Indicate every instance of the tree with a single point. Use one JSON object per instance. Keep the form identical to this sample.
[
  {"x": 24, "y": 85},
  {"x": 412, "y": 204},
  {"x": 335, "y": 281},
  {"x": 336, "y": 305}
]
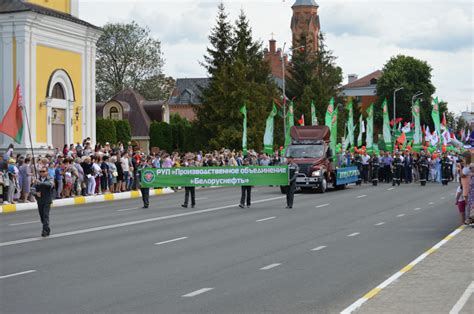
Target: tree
[
  {"x": 156, "y": 87},
  {"x": 314, "y": 76},
  {"x": 105, "y": 131},
  {"x": 414, "y": 76},
  {"x": 241, "y": 77},
  {"x": 123, "y": 131},
  {"x": 126, "y": 57},
  {"x": 160, "y": 136}
]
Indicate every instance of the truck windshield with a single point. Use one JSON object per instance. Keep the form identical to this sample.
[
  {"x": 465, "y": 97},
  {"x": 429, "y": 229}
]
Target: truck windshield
[{"x": 305, "y": 151}]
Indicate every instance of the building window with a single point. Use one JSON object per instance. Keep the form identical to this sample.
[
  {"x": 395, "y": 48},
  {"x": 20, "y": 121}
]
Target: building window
[
  {"x": 373, "y": 81},
  {"x": 58, "y": 92},
  {"x": 114, "y": 113}
]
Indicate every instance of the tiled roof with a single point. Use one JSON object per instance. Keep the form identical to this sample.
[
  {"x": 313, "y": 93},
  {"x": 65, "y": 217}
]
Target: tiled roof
[
  {"x": 364, "y": 81},
  {"x": 305, "y": 3},
  {"x": 13, "y": 6},
  {"x": 187, "y": 91}
]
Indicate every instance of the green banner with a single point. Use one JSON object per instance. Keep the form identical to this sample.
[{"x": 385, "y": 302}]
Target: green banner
[
  {"x": 387, "y": 137},
  {"x": 370, "y": 129},
  {"x": 268, "y": 136},
  {"x": 243, "y": 110},
  {"x": 215, "y": 176}
]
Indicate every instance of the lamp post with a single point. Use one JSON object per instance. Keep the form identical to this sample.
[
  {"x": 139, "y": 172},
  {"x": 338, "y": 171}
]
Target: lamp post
[
  {"x": 415, "y": 96},
  {"x": 395, "y": 108},
  {"x": 282, "y": 55}
]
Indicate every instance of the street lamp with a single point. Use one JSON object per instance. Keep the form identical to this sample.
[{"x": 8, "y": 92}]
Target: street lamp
[
  {"x": 394, "y": 108},
  {"x": 282, "y": 55},
  {"x": 415, "y": 96}
]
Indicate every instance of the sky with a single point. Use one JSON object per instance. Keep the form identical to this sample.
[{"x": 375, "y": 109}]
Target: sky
[{"x": 363, "y": 34}]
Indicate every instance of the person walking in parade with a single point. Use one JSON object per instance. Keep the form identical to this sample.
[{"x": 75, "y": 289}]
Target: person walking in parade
[
  {"x": 144, "y": 163},
  {"x": 387, "y": 167},
  {"x": 407, "y": 167},
  {"x": 246, "y": 190},
  {"x": 375, "y": 165},
  {"x": 189, "y": 189},
  {"x": 43, "y": 192},
  {"x": 293, "y": 170},
  {"x": 446, "y": 169},
  {"x": 397, "y": 169},
  {"x": 423, "y": 166}
]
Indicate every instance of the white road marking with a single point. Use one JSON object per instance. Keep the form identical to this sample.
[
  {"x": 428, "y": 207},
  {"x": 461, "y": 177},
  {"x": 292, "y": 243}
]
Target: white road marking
[
  {"x": 380, "y": 223},
  {"x": 169, "y": 241},
  {"x": 270, "y": 266},
  {"x": 126, "y": 209},
  {"x": 361, "y": 196},
  {"x": 201, "y": 198},
  {"x": 24, "y": 223},
  {"x": 401, "y": 215},
  {"x": 430, "y": 203},
  {"x": 18, "y": 274},
  {"x": 319, "y": 248},
  {"x": 451, "y": 194},
  {"x": 197, "y": 292},
  {"x": 353, "y": 234},
  {"x": 442, "y": 197},
  {"x": 418, "y": 208},
  {"x": 390, "y": 189},
  {"x": 265, "y": 219},
  {"x": 462, "y": 301},
  {"x": 322, "y": 205},
  {"x": 132, "y": 223}
]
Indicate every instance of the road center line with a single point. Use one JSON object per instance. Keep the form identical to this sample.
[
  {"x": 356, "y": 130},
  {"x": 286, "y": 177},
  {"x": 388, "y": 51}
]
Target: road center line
[
  {"x": 132, "y": 223},
  {"x": 401, "y": 215},
  {"x": 418, "y": 208},
  {"x": 201, "y": 198},
  {"x": 353, "y": 234},
  {"x": 431, "y": 203},
  {"x": 319, "y": 248},
  {"x": 442, "y": 197},
  {"x": 127, "y": 209},
  {"x": 169, "y": 241},
  {"x": 270, "y": 266},
  {"x": 389, "y": 189},
  {"x": 322, "y": 205},
  {"x": 24, "y": 223},
  {"x": 18, "y": 274},
  {"x": 361, "y": 196},
  {"x": 380, "y": 223},
  {"x": 197, "y": 292},
  {"x": 265, "y": 219},
  {"x": 462, "y": 301}
]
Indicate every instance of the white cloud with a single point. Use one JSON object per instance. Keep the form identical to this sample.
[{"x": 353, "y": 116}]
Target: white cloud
[{"x": 363, "y": 34}]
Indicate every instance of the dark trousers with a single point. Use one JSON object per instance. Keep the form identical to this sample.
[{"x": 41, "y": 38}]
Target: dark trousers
[
  {"x": 190, "y": 190},
  {"x": 408, "y": 174},
  {"x": 290, "y": 193},
  {"x": 365, "y": 173},
  {"x": 145, "y": 196},
  {"x": 43, "y": 210},
  {"x": 387, "y": 172},
  {"x": 246, "y": 191}
]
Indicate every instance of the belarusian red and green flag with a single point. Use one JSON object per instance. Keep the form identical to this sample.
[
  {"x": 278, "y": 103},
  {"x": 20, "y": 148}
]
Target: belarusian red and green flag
[
  {"x": 268, "y": 137},
  {"x": 12, "y": 122},
  {"x": 243, "y": 110}
]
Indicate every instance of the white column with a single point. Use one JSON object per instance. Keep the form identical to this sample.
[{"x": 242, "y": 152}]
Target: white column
[
  {"x": 6, "y": 59},
  {"x": 93, "y": 104}
]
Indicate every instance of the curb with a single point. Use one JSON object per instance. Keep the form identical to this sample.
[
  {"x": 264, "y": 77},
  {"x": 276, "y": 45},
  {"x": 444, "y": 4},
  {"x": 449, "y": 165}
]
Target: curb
[
  {"x": 372, "y": 293},
  {"x": 11, "y": 208}
]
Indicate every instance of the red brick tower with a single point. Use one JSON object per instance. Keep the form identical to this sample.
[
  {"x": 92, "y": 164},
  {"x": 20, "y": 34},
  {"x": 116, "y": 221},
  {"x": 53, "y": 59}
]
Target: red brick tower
[
  {"x": 273, "y": 56},
  {"x": 305, "y": 21}
]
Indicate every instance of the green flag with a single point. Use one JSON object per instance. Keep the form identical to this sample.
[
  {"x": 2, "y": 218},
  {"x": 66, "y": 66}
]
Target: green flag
[
  {"x": 329, "y": 113},
  {"x": 314, "y": 119},
  {"x": 387, "y": 137},
  {"x": 370, "y": 129},
  {"x": 350, "y": 124},
  {"x": 417, "y": 136},
  {"x": 268, "y": 137},
  {"x": 333, "y": 142},
  {"x": 435, "y": 117},
  {"x": 243, "y": 110},
  {"x": 290, "y": 121},
  {"x": 361, "y": 130}
]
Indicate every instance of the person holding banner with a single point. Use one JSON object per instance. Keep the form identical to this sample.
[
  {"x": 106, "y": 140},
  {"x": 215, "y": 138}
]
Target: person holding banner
[
  {"x": 293, "y": 170},
  {"x": 246, "y": 189},
  {"x": 43, "y": 192},
  {"x": 144, "y": 163},
  {"x": 189, "y": 189}
]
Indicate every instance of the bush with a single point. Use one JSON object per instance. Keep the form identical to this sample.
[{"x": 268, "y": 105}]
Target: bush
[
  {"x": 160, "y": 136},
  {"x": 123, "y": 131},
  {"x": 105, "y": 131}
]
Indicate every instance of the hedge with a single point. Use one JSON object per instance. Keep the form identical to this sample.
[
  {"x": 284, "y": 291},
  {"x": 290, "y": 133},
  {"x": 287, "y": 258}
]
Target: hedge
[
  {"x": 123, "y": 130},
  {"x": 105, "y": 131}
]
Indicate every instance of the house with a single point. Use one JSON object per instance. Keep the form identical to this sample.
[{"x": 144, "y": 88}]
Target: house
[
  {"x": 186, "y": 96},
  {"x": 364, "y": 89}
]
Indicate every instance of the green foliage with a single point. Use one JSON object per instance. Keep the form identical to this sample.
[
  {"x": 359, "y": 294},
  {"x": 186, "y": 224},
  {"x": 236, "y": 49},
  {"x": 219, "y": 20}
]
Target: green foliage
[
  {"x": 123, "y": 131},
  {"x": 414, "y": 76},
  {"x": 238, "y": 76},
  {"x": 314, "y": 76},
  {"x": 105, "y": 131},
  {"x": 127, "y": 56},
  {"x": 160, "y": 136},
  {"x": 156, "y": 87}
]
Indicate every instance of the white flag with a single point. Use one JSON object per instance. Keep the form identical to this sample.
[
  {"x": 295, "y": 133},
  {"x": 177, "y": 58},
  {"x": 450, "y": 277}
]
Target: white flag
[
  {"x": 406, "y": 128},
  {"x": 446, "y": 137},
  {"x": 434, "y": 139},
  {"x": 427, "y": 134}
]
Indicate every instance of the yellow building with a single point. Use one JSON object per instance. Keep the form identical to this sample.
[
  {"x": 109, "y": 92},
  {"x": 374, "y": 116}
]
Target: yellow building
[{"x": 51, "y": 52}]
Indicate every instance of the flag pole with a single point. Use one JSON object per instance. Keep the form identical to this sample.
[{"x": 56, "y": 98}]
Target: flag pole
[{"x": 23, "y": 108}]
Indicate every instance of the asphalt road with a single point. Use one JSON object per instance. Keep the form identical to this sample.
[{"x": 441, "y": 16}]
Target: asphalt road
[{"x": 318, "y": 257}]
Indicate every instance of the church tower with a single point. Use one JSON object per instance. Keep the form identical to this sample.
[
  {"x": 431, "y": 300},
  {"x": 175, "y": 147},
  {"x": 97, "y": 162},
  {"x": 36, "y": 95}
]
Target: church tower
[{"x": 305, "y": 22}]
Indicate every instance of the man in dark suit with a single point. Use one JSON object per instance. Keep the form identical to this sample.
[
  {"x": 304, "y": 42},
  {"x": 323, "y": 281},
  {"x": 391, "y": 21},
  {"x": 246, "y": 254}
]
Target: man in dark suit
[
  {"x": 246, "y": 190},
  {"x": 293, "y": 170},
  {"x": 43, "y": 191},
  {"x": 408, "y": 165}
]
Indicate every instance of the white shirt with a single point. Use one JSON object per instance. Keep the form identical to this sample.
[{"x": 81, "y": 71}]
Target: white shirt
[{"x": 125, "y": 164}]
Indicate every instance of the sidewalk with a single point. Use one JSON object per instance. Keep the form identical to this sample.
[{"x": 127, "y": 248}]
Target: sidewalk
[
  {"x": 83, "y": 200},
  {"x": 443, "y": 282}
]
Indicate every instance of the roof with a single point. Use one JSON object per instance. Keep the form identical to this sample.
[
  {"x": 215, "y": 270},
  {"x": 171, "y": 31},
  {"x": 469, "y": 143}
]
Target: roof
[
  {"x": 187, "y": 91},
  {"x": 299, "y": 3},
  {"x": 14, "y": 6},
  {"x": 364, "y": 81}
]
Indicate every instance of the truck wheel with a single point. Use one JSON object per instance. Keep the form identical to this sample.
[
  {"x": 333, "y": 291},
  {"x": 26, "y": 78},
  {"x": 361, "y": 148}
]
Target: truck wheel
[
  {"x": 322, "y": 188},
  {"x": 283, "y": 189}
]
